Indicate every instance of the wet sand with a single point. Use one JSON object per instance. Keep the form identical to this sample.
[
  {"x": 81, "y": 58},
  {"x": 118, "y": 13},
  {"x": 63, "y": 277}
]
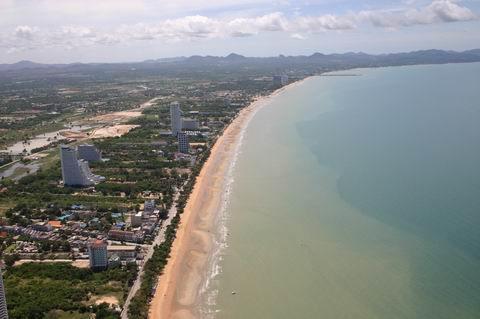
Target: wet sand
[{"x": 178, "y": 290}]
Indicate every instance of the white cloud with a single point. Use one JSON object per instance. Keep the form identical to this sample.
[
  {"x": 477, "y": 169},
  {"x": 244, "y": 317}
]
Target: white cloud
[
  {"x": 199, "y": 26},
  {"x": 189, "y": 27},
  {"x": 437, "y": 12},
  {"x": 298, "y": 36},
  {"x": 271, "y": 22},
  {"x": 25, "y": 32},
  {"x": 77, "y": 31},
  {"x": 324, "y": 23},
  {"x": 449, "y": 11},
  {"x": 241, "y": 27}
]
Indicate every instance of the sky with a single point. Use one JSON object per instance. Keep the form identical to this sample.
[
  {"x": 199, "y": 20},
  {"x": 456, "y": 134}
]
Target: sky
[{"x": 65, "y": 31}]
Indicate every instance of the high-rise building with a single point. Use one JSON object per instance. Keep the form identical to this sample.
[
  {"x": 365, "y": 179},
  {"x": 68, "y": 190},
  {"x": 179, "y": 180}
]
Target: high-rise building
[
  {"x": 280, "y": 80},
  {"x": 176, "y": 118},
  {"x": 89, "y": 153},
  {"x": 149, "y": 206},
  {"x": 73, "y": 172},
  {"x": 98, "y": 255},
  {"x": 76, "y": 172},
  {"x": 182, "y": 142},
  {"x": 3, "y": 300}
]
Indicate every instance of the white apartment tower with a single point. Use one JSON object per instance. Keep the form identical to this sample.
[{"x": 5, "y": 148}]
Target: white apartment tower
[
  {"x": 89, "y": 153},
  {"x": 98, "y": 254},
  {"x": 3, "y": 300},
  {"x": 76, "y": 172},
  {"x": 183, "y": 142},
  {"x": 280, "y": 80},
  {"x": 176, "y": 118},
  {"x": 73, "y": 171}
]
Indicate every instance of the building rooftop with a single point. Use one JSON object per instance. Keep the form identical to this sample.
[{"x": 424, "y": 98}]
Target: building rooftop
[
  {"x": 121, "y": 247},
  {"x": 55, "y": 223},
  {"x": 98, "y": 243}
]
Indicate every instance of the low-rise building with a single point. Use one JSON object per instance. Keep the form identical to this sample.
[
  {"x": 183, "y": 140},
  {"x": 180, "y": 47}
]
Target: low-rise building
[
  {"x": 125, "y": 235},
  {"x": 42, "y": 226},
  {"x": 55, "y": 224},
  {"x": 149, "y": 206},
  {"x": 136, "y": 219},
  {"x": 185, "y": 157},
  {"x": 114, "y": 261},
  {"x": 148, "y": 229},
  {"x": 190, "y": 124},
  {"x": 125, "y": 252}
]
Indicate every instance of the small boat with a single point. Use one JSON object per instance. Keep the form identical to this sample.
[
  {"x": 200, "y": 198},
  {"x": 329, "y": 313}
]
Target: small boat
[{"x": 234, "y": 292}]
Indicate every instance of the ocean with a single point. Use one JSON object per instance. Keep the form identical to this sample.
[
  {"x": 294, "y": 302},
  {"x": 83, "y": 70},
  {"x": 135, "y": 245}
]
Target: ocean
[{"x": 357, "y": 197}]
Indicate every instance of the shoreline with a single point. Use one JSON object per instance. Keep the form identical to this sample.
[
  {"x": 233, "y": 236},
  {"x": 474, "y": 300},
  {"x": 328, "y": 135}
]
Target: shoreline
[{"x": 178, "y": 293}]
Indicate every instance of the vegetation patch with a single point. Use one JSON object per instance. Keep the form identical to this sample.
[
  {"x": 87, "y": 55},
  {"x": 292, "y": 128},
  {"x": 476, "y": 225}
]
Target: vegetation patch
[{"x": 38, "y": 290}]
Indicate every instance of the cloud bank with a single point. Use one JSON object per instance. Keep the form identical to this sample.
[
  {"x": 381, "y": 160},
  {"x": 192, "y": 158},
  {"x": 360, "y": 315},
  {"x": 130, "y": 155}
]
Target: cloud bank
[
  {"x": 24, "y": 37},
  {"x": 438, "y": 11}
]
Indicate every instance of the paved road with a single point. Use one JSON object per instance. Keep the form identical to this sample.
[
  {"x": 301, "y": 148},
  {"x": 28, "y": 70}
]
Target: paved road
[{"x": 157, "y": 241}]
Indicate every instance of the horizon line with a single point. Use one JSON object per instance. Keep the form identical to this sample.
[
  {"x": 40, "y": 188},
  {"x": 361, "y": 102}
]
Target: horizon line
[{"x": 243, "y": 56}]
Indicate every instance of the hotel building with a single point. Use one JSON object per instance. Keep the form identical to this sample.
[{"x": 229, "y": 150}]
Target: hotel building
[
  {"x": 280, "y": 80},
  {"x": 176, "y": 118},
  {"x": 183, "y": 145},
  {"x": 98, "y": 255},
  {"x": 76, "y": 172}
]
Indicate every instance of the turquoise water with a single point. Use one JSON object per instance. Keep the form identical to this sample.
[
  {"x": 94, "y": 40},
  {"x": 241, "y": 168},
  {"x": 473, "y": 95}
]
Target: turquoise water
[{"x": 359, "y": 197}]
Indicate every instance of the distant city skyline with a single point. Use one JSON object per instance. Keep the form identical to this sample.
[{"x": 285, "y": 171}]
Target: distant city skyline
[{"x": 52, "y": 31}]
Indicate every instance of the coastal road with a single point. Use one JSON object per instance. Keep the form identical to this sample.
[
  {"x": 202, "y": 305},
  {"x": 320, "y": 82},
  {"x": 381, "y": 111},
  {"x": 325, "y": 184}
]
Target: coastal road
[{"x": 157, "y": 241}]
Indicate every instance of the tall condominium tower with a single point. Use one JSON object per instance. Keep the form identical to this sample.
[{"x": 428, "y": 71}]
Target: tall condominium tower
[
  {"x": 89, "y": 153},
  {"x": 176, "y": 118},
  {"x": 76, "y": 172},
  {"x": 98, "y": 255},
  {"x": 73, "y": 172},
  {"x": 280, "y": 80},
  {"x": 3, "y": 300},
  {"x": 182, "y": 142}
]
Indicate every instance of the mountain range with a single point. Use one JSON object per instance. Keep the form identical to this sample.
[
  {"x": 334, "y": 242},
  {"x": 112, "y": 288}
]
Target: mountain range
[{"x": 344, "y": 60}]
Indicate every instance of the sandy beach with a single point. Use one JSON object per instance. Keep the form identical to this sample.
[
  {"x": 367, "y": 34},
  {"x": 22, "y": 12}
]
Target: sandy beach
[{"x": 178, "y": 290}]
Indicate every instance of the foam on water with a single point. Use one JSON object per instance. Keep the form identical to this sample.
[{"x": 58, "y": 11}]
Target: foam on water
[
  {"x": 357, "y": 197},
  {"x": 209, "y": 288}
]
